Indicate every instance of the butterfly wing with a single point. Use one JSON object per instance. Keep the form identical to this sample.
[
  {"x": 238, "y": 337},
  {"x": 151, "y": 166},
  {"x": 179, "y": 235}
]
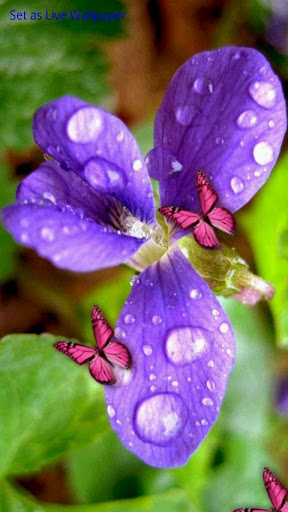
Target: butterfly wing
[
  {"x": 118, "y": 354},
  {"x": 222, "y": 219},
  {"x": 102, "y": 330},
  {"x": 101, "y": 370},
  {"x": 183, "y": 218},
  {"x": 205, "y": 236},
  {"x": 79, "y": 353},
  {"x": 206, "y": 194},
  {"x": 277, "y": 492}
]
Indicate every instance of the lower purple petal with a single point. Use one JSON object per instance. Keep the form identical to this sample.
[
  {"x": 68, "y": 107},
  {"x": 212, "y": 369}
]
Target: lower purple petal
[
  {"x": 66, "y": 238},
  {"x": 182, "y": 348}
]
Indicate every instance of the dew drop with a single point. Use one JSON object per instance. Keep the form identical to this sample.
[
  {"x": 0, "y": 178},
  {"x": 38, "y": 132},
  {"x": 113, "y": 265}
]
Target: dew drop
[
  {"x": 47, "y": 234},
  {"x": 211, "y": 385},
  {"x": 129, "y": 319},
  {"x": 120, "y": 136},
  {"x": 195, "y": 294},
  {"x": 176, "y": 166},
  {"x": 137, "y": 165},
  {"x": 156, "y": 320},
  {"x": 271, "y": 124},
  {"x": 219, "y": 141},
  {"x": 147, "y": 350},
  {"x": 111, "y": 411},
  {"x": 120, "y": 333},
  {"x": 153, "y": 388},
  {"x": 207, "y": 401},
  {"x": 203, "y": 86},
  {"x": 263, "y": 93},
  {"x": 204, "y": 422},
  {"x": 175, "y": 383},
  {"x": 49, "y": 197},
  {"x": 24, "y": 237},
  {"x": 237, "y": 185},
  {"x": 247, "y": 119},
  {"x": 224, "y": 327},
  {"x": 184, "y": 115},
  {"x": 186, "y": 344},
  {"x": 263, "y": 153},
  {"x": 84, "y": 125},
  {"x": 210, "y": 363},
  {"x": 152, "y": 376},
  {"x": 215, "y": 312},
  {"x": 160, "y": 419}
]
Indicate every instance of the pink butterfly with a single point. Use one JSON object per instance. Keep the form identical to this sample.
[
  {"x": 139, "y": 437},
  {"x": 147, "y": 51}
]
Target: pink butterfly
[
  {"x": 203, "y": 223},
  {"x": 107, "y": 353},
  {"x": 277, "y": 493}
]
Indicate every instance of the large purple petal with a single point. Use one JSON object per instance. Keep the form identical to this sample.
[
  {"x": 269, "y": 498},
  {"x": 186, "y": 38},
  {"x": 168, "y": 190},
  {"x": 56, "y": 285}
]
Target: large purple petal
[
  {"x": 182, "y": 347},
  {"x": 223, "y": 113},
  {"x": 98, "y": 147},
  {"x": 63, "y": 218}
]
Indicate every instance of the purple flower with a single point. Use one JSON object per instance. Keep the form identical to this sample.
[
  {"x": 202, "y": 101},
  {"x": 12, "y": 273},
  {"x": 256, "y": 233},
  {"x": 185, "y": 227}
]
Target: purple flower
[{"x": 223, "y": 113}]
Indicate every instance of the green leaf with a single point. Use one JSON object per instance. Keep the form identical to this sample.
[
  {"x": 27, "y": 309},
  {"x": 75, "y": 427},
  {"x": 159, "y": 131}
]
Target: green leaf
[
  {"x": 49, "y": 405},
  {"x": 8, "y": 247},
  {"x": 12, "y": 500},
  {"x": 267, "y": 225},
  {"x": 42, "y": 60}
]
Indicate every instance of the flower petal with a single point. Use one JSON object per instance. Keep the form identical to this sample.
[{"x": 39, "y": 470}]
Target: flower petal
[
  {"x": 182, "y": 348},
  {"x": 49, "y": 184},
  {"x": 98, "y": 147},
  {"x": 62, "y": 217},
  {"x": 223, "y": 113}
]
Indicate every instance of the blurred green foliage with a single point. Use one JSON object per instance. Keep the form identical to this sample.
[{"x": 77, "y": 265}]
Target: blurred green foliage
[{"x": 267, "y": 228}]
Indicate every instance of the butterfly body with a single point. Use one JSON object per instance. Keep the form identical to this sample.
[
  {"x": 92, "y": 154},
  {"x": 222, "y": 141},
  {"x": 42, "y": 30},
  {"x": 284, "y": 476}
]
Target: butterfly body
[
  {"x": 102, "y": 358},
  {"x": 276, "y": 491},
  {"x": 203, "y": 223}
]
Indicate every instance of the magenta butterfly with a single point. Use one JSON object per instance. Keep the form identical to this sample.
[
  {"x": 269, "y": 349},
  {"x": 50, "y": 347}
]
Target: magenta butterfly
[
  {"x": 205, "y": 222},
  {"x": 277, "y": 493},
  {"x": 107, "y": 353}
]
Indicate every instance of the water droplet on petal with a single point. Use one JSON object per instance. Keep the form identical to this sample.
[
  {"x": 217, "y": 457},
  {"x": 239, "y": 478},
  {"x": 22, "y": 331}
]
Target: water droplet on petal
[
  {"x": 120, "y": 333},
  {"x": 210, "y": 363},
  {"x": 186, "y": 344},
  {"x": 85, "y": 125},
  {"x": 160, "y": 419},
  {"x": 49, "y": 197},
  {"x": 176, "y": 166},
  {"x": 219, "y": 141},
  {"x": 211, "y": 385},
  {"x": 263, "y": 153},
  {"x": 215, "y": 312},
  {"x": 147, "y": 350},
  {"x": 152, "y": 376},
  {"x": 184, "y": 114},
  {"x": 137, "y": 165},
  {"x": 120, "y": 136},
  {"x": 24, "y": 237},
  {"x": 129, "y": 319},
  {"x": 224, "y": 327},
  {"x": 47, "y": 234},
  {"x": 247, "y": 119},
  {"x": 203, "y": 86},
  {"x": 204, "y": 422},
  {"x": 263, "y": 93},
  {"x": 271, "y": 124},
  {"x": 195, "y": 294},
  {"x": 111, "y": 411},
  {"x": 175, "y": 383},
  {"x": 207, "y": 401},
  {"x": 237, "y": 185},
  {"x": 156, "y": 320}
]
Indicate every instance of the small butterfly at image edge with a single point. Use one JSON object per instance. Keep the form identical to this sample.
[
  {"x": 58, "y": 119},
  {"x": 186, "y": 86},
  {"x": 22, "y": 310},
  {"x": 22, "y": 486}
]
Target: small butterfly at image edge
[
  {"x": 107, "y": 353},
  {"x": 277, "y": 492},
  {"x": 205, "y": 222}
]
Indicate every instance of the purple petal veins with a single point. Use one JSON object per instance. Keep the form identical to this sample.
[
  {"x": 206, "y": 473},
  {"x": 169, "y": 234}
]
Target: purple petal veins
[
  {"x": 223, "y": 113},
  {"x": 182, "y": 347}
]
